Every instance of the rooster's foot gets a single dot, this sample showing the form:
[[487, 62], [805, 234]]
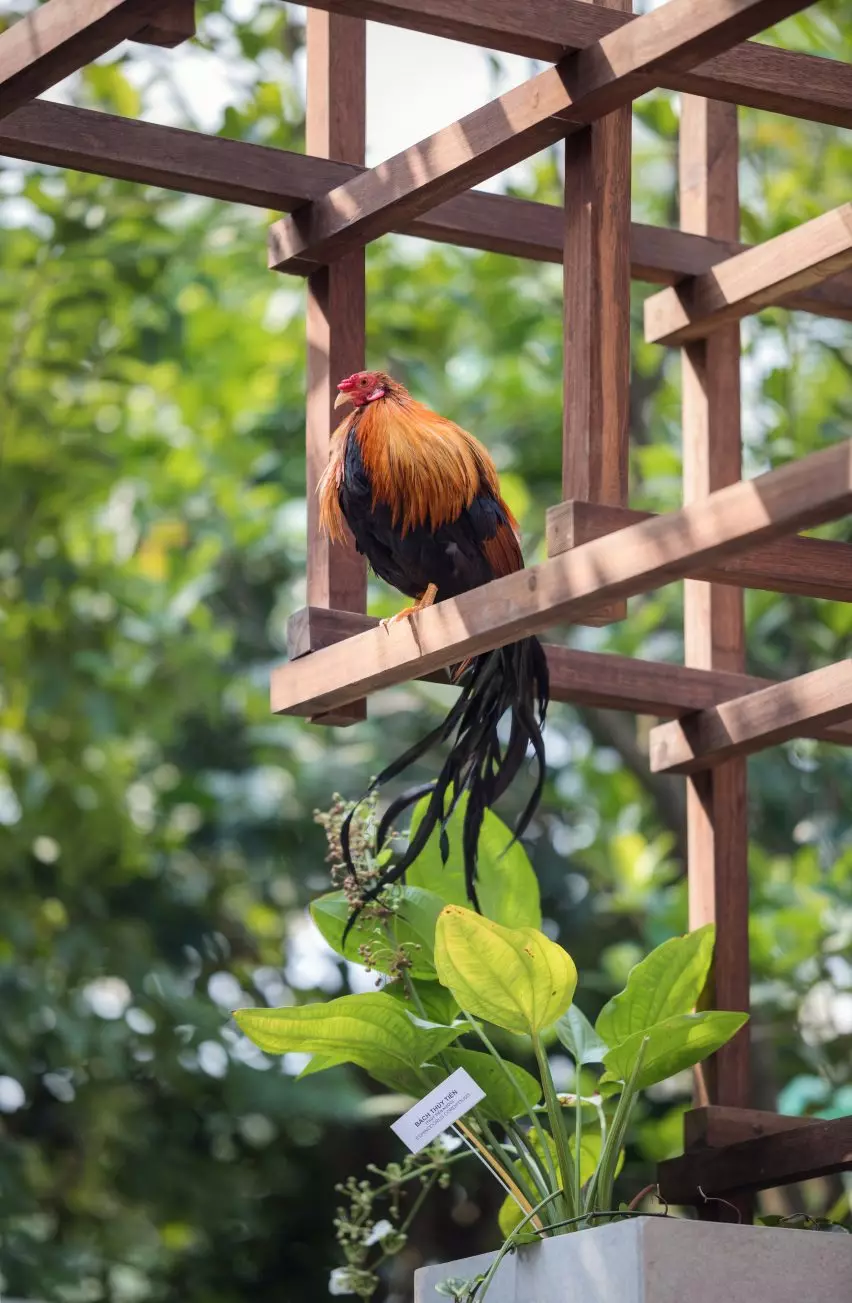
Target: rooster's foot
[[424, 600]]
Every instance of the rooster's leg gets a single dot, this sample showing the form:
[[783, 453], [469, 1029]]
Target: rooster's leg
[[424, 600]]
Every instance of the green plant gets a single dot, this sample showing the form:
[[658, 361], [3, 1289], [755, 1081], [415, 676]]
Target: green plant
[[450, 978]]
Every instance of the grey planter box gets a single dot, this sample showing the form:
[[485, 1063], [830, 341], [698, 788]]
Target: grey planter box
[[652, 1260]]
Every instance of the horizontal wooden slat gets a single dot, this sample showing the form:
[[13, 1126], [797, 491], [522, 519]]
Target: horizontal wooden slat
[[566, 587], [582, 678], [579, 89], [59, 37], [754, 722], [809, 567], [795, 1154], [795, 260], [757, 76], [256, 175], [715, 1125]]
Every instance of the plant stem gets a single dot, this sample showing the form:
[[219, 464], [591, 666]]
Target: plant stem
[[498, 1058], [557, 1125], [418, 1171], [600, 1186], [578, 1141]]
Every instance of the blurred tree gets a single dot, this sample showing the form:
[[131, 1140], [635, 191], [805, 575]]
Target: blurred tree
[[157, 839]]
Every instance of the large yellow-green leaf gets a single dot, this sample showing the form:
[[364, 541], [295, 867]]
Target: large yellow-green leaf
[[506, 883], [668, 982], [374, 1031], [413, 929], [514, 977], [673, 1045]]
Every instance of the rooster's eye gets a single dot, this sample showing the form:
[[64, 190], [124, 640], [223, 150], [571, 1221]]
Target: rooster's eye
[[362, 382]]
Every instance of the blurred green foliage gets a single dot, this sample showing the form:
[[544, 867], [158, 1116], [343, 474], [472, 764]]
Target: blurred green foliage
[[157, 846]]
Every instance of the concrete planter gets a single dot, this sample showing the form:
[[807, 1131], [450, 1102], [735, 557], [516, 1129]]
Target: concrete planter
[[655, 1260]]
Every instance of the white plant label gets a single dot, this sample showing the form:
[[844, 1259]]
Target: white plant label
[[438, 1110]]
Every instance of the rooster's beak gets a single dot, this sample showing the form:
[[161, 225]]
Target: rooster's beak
[[341, 399]]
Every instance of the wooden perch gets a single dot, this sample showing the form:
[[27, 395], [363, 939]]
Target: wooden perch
[[798, 259], [757, 76], [566, 587], [599, 680], [753, 722], [809, 567], [61, 36], [581, 88]]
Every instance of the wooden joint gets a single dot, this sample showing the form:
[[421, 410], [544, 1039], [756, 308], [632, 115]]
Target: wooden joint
[[752, 280], [575, 522], [579, 90], [808, 567], [751, 723], [173, 24]]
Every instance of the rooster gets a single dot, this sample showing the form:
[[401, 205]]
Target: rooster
[[422, 499]]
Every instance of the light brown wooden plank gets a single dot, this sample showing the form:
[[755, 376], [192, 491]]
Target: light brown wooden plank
[[173, 24], [714, 637], [750, 281], [579, 90], [243, 173], [599, 679], [59, 37], [757, 76], [808, 567], [754, 722], [335, 127], [779, 1158], [715, 1127], [566, 587]]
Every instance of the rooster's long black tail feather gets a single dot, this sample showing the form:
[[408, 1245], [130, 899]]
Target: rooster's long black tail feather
[[510, 680]]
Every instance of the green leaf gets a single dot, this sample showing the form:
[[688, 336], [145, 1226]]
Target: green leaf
[[438, 1003], [506, 882], [580, 1038], [413, 929], [509, 1216], [374, 1031], [673, 1045], [668, 982], [501, 1103], [513, 977]]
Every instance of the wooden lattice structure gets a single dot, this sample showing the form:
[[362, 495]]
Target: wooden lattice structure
[[730, 535]]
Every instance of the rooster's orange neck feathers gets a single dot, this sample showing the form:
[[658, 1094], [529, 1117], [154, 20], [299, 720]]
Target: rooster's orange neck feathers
[[426, 469]]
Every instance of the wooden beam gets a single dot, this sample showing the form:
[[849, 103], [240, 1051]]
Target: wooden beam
[[753, 722], [173, 24], [753, 280], [781, 1158], [61, 36], [756, 76], [570, 586], [242, 173], [714, 633], [808, 567], [335, 127], [580, 89], [716, 1127], [596, 311], [599, 679]]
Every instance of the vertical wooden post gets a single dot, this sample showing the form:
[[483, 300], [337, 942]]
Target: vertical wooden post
[[596, 371], [335, 128], [717, 814]]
